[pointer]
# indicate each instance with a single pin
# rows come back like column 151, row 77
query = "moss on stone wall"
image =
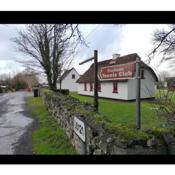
column 126, row 131
column 75, row 106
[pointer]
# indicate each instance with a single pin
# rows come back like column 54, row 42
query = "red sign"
column 121, row 71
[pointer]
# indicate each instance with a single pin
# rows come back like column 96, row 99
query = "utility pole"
column 138, row 116
column 95, row 58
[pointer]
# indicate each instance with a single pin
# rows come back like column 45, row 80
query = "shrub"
column 165, row 105
column 63, row 91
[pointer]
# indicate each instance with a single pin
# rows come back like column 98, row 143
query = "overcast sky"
column 107, row 39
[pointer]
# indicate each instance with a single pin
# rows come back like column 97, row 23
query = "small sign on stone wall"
column 79, row 128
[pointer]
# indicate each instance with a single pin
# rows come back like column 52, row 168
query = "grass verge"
column 49, row 138
column 118, row 112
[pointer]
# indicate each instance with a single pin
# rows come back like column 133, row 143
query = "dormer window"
column 73, row 76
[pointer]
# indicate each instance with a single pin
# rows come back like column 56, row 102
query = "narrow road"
column 15, row 123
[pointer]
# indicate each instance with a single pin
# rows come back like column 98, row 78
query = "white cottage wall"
column 68, row 82
column 82, row 91
column 147, row 86
column 106, row 90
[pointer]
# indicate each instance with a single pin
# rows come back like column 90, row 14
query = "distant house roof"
column 3, row 86
column 170, row 81
column 66, row 73
column 88, row 76
column 169, row 78
column 3, row 83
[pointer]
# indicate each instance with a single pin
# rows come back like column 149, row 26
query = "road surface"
column 15, row 124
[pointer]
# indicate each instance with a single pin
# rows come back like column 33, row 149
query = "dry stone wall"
column 98, row 140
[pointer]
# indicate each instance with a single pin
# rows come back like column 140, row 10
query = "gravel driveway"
column 16, row 124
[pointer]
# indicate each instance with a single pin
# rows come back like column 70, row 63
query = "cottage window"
column 115, row 87
column 73, row 76
column 142, row 74
column 91, row 87
column 85, row 87
column 99, row 87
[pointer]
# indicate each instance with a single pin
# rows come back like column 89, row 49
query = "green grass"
column 49, row 138
column 124, row 112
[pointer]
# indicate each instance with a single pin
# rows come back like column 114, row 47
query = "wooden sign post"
column 96, row 81
column 138, row 118
column 95, row 58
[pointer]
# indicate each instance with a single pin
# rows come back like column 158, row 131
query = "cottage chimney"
column 115, row 56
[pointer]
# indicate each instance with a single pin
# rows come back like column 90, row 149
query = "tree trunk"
column 54, row 85
column 60, row 84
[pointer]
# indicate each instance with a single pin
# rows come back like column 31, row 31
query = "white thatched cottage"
column 117, row 79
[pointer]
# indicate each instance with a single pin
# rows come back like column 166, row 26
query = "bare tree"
column 163, row 75
column 164, row 43
column 30, row 77
column 50, row 47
